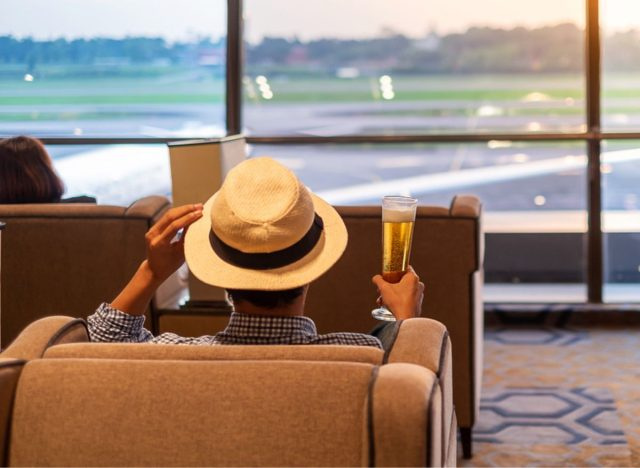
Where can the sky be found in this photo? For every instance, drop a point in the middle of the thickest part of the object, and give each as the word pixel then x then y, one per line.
pixel 305 19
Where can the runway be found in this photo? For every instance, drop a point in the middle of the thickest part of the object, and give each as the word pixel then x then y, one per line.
pixel 511 178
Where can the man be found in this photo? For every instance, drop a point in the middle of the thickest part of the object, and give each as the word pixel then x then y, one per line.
pixel 264 237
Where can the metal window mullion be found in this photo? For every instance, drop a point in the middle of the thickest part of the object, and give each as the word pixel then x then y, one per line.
pixel 360 139
pixel 234 67
pixel 595 259
pixel 416 138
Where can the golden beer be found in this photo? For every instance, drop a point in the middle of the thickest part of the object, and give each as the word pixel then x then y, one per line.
pixel 397 232
pixel 398 217
pixel 396 249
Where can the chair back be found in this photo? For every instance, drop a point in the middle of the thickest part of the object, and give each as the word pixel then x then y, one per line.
pixel 66 259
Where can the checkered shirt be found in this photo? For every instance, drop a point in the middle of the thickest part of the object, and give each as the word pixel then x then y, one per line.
pixel 111 325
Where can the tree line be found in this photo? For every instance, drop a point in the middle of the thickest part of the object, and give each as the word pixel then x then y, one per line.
pixel 558 48
pixel 138 50
pixel 552 49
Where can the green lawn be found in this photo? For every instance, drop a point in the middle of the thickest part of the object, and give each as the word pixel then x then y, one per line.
pixel 459 95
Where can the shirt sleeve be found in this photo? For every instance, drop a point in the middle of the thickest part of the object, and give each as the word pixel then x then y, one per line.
pixel 111 325
pixel 114 326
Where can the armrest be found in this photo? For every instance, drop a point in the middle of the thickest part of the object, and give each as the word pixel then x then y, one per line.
pixel 33 341
pixel 151 207
pixel 405 407
pixel 465 206
pixel 10 370
pixel 420 341
pixel 469 206
pixel 426 342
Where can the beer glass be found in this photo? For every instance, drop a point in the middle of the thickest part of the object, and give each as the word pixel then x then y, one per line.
pixel 398 218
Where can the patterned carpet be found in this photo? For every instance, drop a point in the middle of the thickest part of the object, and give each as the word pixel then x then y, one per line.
pixel 559 397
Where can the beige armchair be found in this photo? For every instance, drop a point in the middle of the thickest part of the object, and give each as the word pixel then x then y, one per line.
pixel 67 402
pixel 68 258
pixel 447 253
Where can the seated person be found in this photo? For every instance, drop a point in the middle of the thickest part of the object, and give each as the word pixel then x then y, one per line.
pixel 27 174
pixel 264 237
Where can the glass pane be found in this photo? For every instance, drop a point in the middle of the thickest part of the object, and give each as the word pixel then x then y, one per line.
pixel 621 220
pixel 620 21
pixel 112 69
pixel 533 199
pixel 114 174
pixel 330 67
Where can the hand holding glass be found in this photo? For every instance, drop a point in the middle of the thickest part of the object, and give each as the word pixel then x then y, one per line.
pixel 398 218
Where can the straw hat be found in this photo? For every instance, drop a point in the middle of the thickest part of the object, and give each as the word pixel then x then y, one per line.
pixel 264 230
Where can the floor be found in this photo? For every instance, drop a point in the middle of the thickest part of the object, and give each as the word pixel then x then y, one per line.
pixel 559 396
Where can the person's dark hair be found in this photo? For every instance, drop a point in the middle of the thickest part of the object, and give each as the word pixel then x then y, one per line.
pixel 26 172
pixel 266 299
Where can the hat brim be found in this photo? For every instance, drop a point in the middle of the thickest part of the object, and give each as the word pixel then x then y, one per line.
pixel 205 264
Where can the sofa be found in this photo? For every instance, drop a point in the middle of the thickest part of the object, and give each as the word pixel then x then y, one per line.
pixel 67 402
pixel 67 258
pixel 447 253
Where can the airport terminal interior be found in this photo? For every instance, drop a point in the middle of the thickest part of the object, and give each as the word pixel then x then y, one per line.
pixel 515 126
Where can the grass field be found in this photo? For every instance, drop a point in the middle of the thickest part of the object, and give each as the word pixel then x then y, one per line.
pixel 55 95
pixel 180 86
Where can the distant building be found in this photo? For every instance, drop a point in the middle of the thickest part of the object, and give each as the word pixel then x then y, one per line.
pixel 297 56
pixel 430 42
pixel 211 57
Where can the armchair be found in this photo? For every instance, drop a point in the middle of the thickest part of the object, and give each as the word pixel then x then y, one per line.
pixel 223 405
pixel 447 253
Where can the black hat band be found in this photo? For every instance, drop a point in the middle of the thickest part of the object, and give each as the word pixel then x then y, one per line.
pixel 271 260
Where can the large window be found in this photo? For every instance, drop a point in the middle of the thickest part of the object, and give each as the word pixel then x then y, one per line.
pixel 92 68
pixel 620 22
pixel 412 69
pixel 373 67
pixel 533 197
pixel 531 105
pixel 621 220
pixel 528 178
pixel 115 174
pixel 620 65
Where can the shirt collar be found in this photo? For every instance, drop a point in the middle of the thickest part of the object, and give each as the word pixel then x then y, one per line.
pixel 264 326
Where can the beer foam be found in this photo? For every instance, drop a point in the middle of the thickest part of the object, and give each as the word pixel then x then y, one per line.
pixel 398 215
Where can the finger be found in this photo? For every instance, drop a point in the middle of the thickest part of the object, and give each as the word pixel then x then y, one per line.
pixel 379 282
pixel 183 236
pixel 167 218
pixel 379 301
pixel 410 277
pixel 412 271
pixel 384 289
pixel 172 215
pixel 172 229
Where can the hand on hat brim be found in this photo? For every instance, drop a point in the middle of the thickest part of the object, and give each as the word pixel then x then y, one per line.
pixel 163 258
pixel 164 255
